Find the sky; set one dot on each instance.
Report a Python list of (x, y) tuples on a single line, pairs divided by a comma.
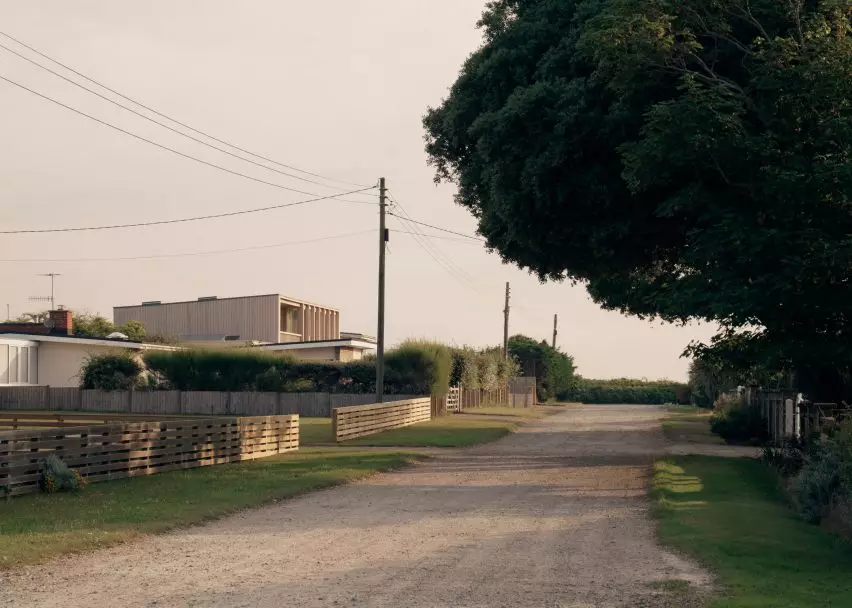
[(331, 87)]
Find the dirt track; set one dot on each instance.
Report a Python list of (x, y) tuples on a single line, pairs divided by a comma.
[(554, 515)]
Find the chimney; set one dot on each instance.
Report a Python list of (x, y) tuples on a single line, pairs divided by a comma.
[(62, 322)]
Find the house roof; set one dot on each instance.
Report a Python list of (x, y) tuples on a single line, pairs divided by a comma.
[(218, 299), (85, 341), (347, 342)]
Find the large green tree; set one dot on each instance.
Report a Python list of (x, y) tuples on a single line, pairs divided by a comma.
[(683, 158)]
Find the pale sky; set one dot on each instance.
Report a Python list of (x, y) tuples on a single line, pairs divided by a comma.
[(334, 87)]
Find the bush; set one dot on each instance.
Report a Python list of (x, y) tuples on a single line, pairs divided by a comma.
[(736, 422), (111, 372), (419, 367), (57, 477), (553, 369)]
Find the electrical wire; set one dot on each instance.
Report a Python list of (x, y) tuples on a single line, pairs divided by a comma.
[(169, 118), (448, 262), (190, 254), (435, 236), (467, 236), (177, 221), (164, 125), (173, 150)]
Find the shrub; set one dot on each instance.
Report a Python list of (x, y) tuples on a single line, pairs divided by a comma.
[(625, 390), (553, 369), (111, 372), (817, 485), (419, 367), (736, 422), (57, 477)]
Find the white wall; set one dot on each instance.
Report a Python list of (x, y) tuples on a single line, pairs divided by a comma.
[(59, 363)]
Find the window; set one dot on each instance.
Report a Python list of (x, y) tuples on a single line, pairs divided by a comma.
[(13, 364), (4, 364), (33, 379), (290, 320)]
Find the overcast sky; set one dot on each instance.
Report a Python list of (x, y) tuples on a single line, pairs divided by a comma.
[(334, 87)]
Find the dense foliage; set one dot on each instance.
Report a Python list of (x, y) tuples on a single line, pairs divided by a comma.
[(553, 369), (738, 423), (626, 390), (111, 372), (414, 368), (487, 369), (683, 158), (708, 381)]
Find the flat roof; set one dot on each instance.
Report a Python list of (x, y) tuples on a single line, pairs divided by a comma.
[(11, 335), (217, 299), (354, 343)]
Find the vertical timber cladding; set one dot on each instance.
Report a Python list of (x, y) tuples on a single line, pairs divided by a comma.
[(364, 420), (114, 451)]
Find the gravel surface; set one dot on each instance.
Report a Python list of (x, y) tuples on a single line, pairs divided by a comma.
[(554, 515)]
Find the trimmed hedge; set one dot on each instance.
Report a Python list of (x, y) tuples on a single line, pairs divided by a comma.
[(414, 368), (626, 391)]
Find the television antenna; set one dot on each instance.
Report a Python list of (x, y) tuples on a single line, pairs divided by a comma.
[(52, 298)]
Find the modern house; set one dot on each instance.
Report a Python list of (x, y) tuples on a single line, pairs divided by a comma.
[(271, 322), (49, 354)]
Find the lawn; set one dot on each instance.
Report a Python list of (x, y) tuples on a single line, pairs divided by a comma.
[(37, 527), (472, 427), (686, 424), (730, 515)]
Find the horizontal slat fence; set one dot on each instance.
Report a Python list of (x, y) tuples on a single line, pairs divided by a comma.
[(361, 421), (14, 420), (133, 449), (195, 403)]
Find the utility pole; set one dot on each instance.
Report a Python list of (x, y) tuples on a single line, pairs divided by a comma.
[(555, 329), (380, 333), (506, 322)]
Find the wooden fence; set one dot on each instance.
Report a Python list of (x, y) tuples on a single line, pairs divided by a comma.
[(171, 403), (141, 448), (13, 420), (361, 421)]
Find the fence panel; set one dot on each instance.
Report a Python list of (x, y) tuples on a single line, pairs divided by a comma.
[(106, 401), (254, 404), (155, 402), (364, 420), (141, 448)]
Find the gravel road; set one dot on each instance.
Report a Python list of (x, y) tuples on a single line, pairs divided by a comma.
[(552, 516)]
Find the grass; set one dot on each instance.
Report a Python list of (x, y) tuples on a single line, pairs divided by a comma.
[(37, 527), (730, 515), (688, 424), (469, 428)]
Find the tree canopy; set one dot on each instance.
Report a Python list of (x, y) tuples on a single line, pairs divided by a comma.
[(553, 369), (682, 158)]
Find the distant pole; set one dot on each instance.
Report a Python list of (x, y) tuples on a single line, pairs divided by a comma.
[(506, 322), (380, 337), (555, 329)]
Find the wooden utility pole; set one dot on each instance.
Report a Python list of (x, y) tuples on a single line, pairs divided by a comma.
[(506, 322), (380, 333), (555, 329)]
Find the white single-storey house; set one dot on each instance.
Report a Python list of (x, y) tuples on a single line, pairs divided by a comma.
[(49, 354)]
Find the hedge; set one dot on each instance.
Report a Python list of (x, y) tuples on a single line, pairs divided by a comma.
[(414, 368), (626, 391)]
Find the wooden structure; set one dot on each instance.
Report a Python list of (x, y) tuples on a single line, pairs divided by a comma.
[(14, 420), (131, 449), (175, 403), (361, 421), (454, 399)]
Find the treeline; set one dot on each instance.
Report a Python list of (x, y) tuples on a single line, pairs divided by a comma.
[(626, 390), (413, 368)]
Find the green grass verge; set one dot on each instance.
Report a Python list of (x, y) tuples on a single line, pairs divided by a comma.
[(444, 432), (689, 425), (37, 527), (472, 427), (730, 515)]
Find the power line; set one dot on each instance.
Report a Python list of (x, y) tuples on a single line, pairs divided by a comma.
[(435, 236), (178, 221), (172, 150), (467, 278), (191, 254), (150, 109), (467, 236), (164, 125)]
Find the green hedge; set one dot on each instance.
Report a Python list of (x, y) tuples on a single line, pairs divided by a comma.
[(553, 369), (414, 368), (626, 391)]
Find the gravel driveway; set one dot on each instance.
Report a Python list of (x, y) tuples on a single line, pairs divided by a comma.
[(554, 515)]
